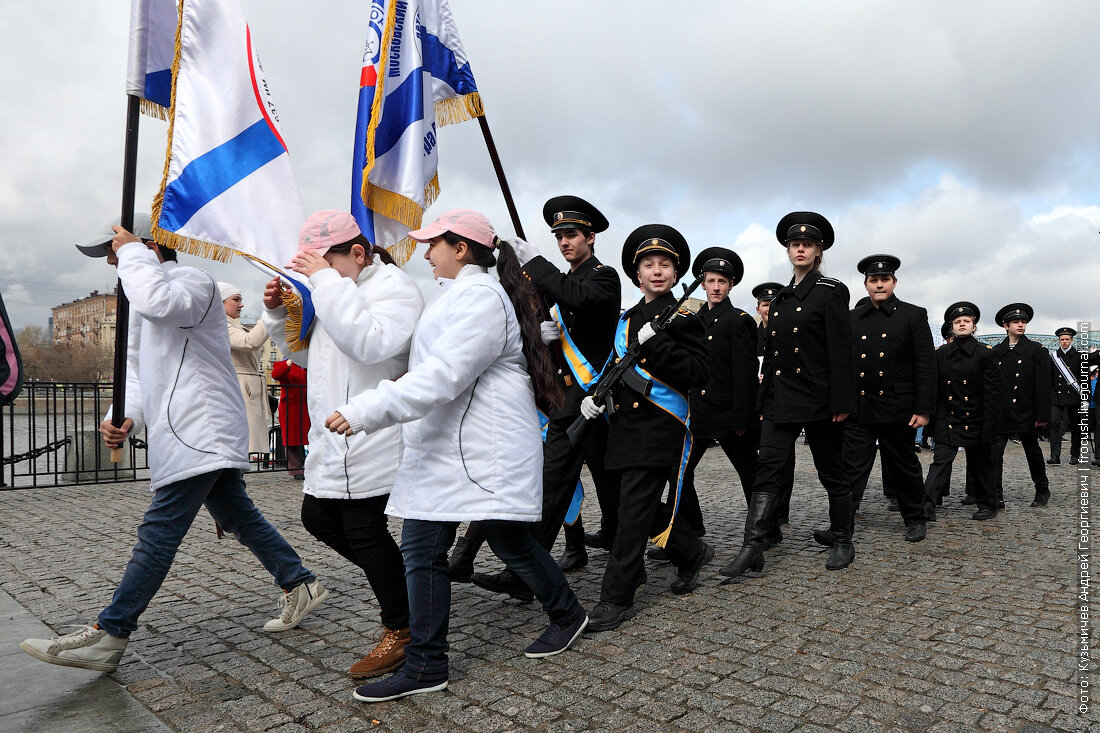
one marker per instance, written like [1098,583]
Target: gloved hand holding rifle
[621,371]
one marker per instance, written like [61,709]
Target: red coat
[293,415]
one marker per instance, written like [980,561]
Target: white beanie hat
[228,290]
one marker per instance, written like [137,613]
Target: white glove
[589,408]
[550,332]
[646,332]
[524,252]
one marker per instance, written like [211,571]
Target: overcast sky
[962,137]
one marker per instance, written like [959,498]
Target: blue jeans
[425,544]
[167,520]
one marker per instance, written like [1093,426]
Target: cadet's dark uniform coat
[588,299]
[809,369]
[728,400]
[1061,393]
[642,434]
[969,398]
[1025,373]
[896,361]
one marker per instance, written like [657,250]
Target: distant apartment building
[85,322]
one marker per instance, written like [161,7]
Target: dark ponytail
[548,393]
[361,240]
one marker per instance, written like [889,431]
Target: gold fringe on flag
[188,245]
[379,93]
[293,303]
[158,200]
[402,251]
[152,109]
[453,110]
[393,206]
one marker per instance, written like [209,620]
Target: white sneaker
[89,648]
[299,601]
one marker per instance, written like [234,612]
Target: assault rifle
[621,371]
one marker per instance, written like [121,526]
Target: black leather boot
[461,565]
[840,517]
[575,555]
[757,523]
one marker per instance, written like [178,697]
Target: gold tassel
[453,110]
[662,539]
[293,303]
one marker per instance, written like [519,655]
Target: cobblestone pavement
[972,629]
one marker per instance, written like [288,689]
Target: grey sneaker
[88,648]
[296,603]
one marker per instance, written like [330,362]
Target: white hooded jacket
[180,382]
[360,337]
[473,448]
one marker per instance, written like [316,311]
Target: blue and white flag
[415,77]
[153,25]
[228,186]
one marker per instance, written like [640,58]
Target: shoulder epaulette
[830,281]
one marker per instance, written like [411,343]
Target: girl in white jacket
[366,310]
[473,448]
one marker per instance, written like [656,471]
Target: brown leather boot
[387,656]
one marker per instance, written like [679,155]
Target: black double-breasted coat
[1062,392]
[809,370]
[643,435]
[895,361]
[968,395]
[727,402]
[1025,375]
[588,299]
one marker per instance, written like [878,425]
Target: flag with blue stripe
[415,78]
[228,187]
[153,26]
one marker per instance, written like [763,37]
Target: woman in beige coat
[245,347]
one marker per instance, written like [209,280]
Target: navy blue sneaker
[395,686]
[556,639]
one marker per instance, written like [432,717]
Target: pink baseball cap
[325,229]
[464,222]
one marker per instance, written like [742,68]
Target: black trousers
[640,519]
[981,483]
[561,467]
[777,455]
[1035,465]
[901,469]
[357,529]
[741,450]
[1061,417]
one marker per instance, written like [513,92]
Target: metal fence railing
[49,436]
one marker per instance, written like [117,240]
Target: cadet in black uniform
[588,299]
[1025,373]
[764,294]
[809,381]
[897,391]
[968,404]
[649,441]
[1064,397]
[937,483]
[724,409]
